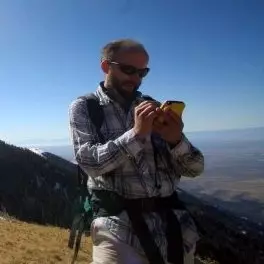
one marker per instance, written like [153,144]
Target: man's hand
[171,129]
[145,113]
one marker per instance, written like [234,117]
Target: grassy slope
[29,243]
[24,243]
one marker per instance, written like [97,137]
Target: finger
[167,118]
[159,128]
[152,103]
[151,116]
[145,103]
[145,110]
[174,116]
[138,111]
[159,111]
[141,107]
[158,125]
[170,118]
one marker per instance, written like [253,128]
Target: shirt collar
[105,99]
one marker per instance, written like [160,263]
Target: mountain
[38,151]
[64,151]
[200,138]
[233,177]
[226,237]
[56,160]
[234,165]
[229,135]
[36,186]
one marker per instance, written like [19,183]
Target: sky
[207,53]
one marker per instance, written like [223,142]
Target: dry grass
[24,243]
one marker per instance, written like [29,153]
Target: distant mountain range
[63,148]
[231,135]
[39,186]
[234,166]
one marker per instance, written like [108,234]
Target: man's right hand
[145,113]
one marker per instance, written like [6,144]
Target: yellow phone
[176,106]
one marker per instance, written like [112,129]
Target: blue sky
[208,53]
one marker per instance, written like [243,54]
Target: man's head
[125,64]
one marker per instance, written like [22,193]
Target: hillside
[23,243]
[225,236]
[38,188]
[35,187]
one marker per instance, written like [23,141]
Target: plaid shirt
[126,165]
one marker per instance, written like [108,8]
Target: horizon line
[67,141]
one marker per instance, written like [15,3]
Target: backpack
[82,211]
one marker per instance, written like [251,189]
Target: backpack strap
[97,117]
[81,220]
[147,97]
[95,111]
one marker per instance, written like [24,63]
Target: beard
[127,89]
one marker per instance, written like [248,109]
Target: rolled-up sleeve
[94,157]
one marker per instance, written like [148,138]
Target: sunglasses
[131,70]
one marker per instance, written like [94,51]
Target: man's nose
[135,77]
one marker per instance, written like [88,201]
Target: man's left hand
[171,129]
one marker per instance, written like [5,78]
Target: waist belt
[107,203]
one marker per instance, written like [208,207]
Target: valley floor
[24,243]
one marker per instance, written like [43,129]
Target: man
[134,157]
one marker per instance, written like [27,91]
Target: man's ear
[105,66]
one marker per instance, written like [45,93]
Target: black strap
[164,207]
[145,238]
[95,111]
[97,116]
[175,248]
[147,97]
[82,183]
